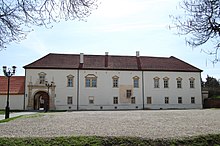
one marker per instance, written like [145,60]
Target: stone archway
[41,101]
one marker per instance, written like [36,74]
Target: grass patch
[2,112]
[9,119]
[206,140]
[22,116]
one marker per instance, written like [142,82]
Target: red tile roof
[16,85]
[111,62]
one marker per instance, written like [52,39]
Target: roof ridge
[185,62]
[115,62]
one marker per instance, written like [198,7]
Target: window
[136,82]
[69,81]
[91,100]
[42,76]
[149,100]
[192,100]
[69,100]
[115,100]
[179,82]
[179,100]
[91,81]
[115,81]
[132,100]
[156,82]
[166,82]
[192,82]
[128,93]
[166,100]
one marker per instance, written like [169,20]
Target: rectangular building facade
[104,82]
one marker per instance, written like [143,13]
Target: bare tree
[200,22]
[17,16]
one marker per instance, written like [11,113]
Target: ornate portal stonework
[35,89]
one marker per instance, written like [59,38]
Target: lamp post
[8,74]
[48,85]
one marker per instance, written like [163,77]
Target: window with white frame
[128,93]
[91,80]
[179,82]
[132,100]
[69,100]
[115,100]
[166,100]
[180,100]
[115,81]
[192,82]
[156,82]
[136,82]
[166,82]
[70,81]
[91,99]
[42,77]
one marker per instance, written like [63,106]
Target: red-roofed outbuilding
[16,97]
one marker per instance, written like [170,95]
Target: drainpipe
[24,90]
[77,102]
[143,88]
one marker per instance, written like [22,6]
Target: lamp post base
[7,109]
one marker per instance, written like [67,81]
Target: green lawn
[207,140]
[2,112]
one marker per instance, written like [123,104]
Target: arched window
[156,82]
[192,82]
[115,81]
[179,82]
[136,82]
[91,80]
[166,82]
[70,80]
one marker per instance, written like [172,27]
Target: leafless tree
[200,22]
[18,16]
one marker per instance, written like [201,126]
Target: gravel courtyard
[143,123]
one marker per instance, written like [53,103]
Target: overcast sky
[120,27]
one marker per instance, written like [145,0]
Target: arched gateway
[40,97]
[41,101]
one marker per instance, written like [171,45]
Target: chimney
[106,59]
[81,58]
[137,54]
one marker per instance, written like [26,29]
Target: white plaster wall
[104,92]
[158,94]
[59,77]
[16,102]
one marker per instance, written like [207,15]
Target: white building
[105,82]
[16,97]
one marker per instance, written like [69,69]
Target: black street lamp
[8,74]
[48,85]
